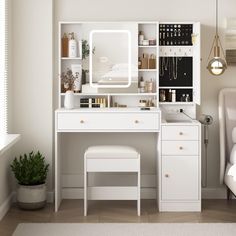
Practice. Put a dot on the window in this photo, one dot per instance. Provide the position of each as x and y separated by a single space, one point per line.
3 66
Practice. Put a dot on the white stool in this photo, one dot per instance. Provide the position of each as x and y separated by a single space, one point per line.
111 159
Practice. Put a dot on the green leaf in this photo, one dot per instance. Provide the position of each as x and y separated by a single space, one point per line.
30 169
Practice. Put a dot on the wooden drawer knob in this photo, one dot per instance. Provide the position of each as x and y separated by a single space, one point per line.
167 176
81 121
180 133
136 121
181 148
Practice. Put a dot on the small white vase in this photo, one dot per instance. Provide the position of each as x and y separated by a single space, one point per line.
69 100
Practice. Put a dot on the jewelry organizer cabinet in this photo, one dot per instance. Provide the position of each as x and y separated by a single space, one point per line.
178 144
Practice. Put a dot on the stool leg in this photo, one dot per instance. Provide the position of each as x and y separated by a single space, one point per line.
139 187
85 190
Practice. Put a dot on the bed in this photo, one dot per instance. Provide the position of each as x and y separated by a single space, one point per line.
227 122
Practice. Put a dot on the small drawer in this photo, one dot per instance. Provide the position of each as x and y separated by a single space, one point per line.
179 148
180 132
112 165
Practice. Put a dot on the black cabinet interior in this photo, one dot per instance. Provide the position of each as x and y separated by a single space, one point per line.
175 71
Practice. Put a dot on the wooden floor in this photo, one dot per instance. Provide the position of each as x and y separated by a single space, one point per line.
116 212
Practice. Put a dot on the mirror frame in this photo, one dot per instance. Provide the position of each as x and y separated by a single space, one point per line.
94 85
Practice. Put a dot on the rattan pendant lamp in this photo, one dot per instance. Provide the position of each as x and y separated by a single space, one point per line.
216 64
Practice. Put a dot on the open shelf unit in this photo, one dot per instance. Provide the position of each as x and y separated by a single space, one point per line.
152 71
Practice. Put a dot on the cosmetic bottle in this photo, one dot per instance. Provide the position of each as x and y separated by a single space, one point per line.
64 45
169 96
139 63
72 46
142 85
140 38
173 95
187 99
149 86
162 95
183 98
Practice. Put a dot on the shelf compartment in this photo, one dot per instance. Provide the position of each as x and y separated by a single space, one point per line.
147 70
148 46
179 93
71 58
176 103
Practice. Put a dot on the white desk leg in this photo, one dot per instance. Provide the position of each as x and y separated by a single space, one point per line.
139 187
85 188
58 196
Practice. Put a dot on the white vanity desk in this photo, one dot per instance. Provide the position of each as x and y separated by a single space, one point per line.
175 144
99 120
178 152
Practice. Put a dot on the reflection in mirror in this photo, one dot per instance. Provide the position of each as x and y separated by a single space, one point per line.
111 64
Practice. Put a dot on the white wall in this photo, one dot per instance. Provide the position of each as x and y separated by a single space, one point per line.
181 10
32 77
32 60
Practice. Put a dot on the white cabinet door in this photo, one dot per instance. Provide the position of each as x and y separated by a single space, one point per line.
180 178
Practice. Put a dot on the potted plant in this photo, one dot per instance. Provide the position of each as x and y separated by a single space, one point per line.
85 54
31 171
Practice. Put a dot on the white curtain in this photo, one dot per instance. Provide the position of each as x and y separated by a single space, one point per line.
3 65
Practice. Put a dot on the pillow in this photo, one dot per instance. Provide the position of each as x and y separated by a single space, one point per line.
233 155
234 135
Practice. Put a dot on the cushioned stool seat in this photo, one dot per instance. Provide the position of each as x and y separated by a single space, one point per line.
111 159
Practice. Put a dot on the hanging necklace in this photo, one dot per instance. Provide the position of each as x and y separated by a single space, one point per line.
175 67
164 65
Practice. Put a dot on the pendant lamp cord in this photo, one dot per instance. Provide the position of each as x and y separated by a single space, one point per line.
216 40
216 17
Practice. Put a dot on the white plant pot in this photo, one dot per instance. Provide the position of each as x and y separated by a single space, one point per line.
69 100
31 197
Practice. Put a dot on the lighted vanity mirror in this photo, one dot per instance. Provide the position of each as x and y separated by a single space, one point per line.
113 57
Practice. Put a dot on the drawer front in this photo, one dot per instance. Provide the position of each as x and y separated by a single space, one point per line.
108 121
180 178
181 132
107 165
179 148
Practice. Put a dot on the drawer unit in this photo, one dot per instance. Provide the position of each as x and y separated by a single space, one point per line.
180 167
108 121
180 132
179 148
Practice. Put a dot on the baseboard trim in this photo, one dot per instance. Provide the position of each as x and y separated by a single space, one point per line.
78 193
214 193
4 208
148 193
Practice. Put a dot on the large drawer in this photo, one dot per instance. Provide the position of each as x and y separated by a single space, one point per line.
180 132
103 121
179 148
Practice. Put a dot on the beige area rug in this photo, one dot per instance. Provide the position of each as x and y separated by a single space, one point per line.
120 229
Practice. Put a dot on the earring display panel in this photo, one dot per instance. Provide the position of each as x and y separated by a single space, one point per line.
175 34
175 71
